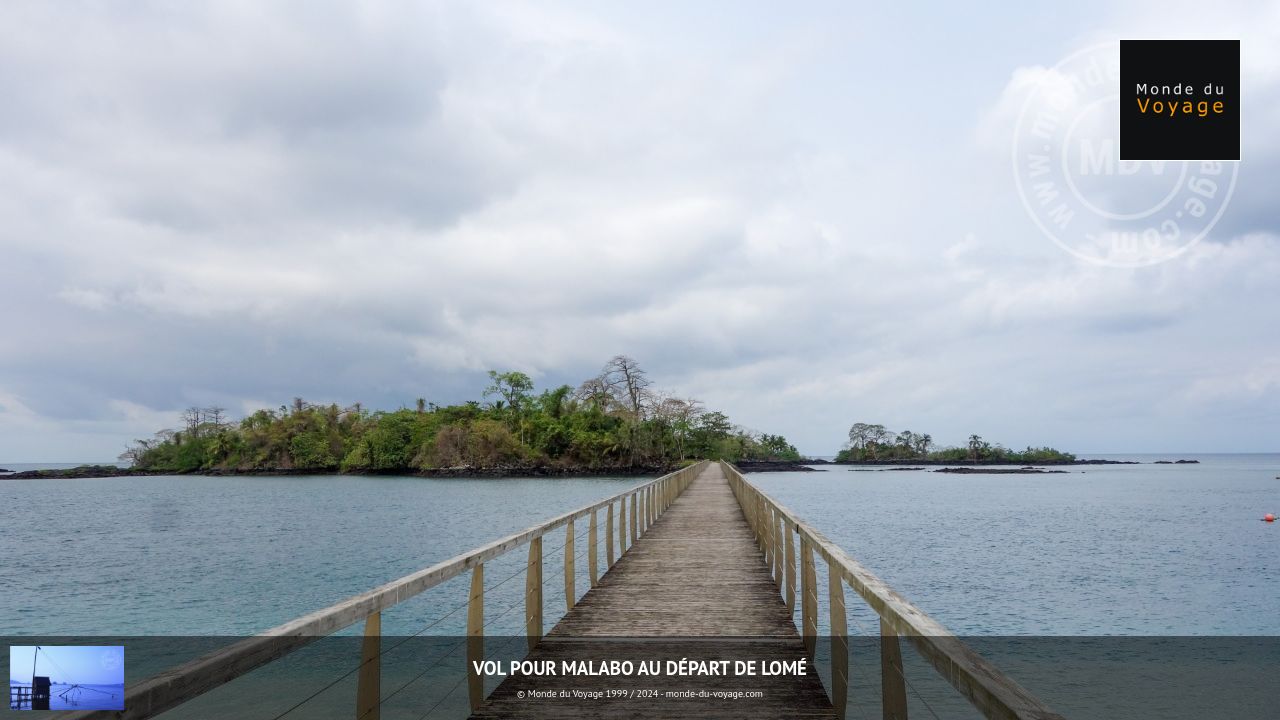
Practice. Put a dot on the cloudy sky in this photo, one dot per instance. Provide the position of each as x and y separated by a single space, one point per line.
804 217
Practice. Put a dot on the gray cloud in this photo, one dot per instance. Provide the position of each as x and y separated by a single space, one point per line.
235 204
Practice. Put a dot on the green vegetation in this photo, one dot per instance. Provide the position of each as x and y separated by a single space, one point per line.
612 421
873 443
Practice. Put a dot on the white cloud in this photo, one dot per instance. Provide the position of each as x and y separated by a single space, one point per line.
239 203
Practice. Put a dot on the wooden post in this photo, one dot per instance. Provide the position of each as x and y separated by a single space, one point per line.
808 597
764 529
475 637
369 684
643 498
753 516
591 550
839 643
776 529
635 533
622 527
570 594
608 538
893 679
791 571
533 594
766 515
759 520
648 507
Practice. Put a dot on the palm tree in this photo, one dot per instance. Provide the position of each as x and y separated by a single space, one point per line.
975 444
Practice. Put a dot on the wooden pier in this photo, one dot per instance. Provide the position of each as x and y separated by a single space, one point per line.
698 564
696 576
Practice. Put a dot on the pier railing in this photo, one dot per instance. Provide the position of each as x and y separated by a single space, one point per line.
637 509
19 696
777 530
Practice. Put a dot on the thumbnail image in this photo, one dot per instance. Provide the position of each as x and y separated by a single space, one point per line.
66 677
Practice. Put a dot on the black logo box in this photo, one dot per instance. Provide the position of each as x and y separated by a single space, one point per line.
1186 69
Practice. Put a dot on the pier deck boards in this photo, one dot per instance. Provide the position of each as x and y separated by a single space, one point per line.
693 586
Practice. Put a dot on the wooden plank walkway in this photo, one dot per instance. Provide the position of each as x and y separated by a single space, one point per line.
694 586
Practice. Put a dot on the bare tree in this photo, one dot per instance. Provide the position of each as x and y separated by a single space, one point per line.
594 391
215 416
191 418
134 453
629 380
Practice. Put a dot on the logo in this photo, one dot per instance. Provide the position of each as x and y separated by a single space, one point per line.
1180 99
1075 185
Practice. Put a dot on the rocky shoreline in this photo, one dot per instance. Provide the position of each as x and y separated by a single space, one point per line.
746 466
949 466
108 471
75 473
750 466
991 462
999 471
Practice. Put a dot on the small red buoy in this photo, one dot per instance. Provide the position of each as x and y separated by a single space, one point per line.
1269 517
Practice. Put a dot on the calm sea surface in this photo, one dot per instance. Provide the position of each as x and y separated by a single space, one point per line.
196 555
1123 549
1101 550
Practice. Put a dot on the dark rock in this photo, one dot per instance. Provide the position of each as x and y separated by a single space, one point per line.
1186 462
83 471
998 471
750 466
926 461
1106 462
100 471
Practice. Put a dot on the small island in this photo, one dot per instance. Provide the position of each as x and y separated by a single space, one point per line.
874 444
613 424
616 423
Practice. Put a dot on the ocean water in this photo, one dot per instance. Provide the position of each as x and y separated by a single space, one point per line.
66 696
1153 550
1109 591
1101 550
201 556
